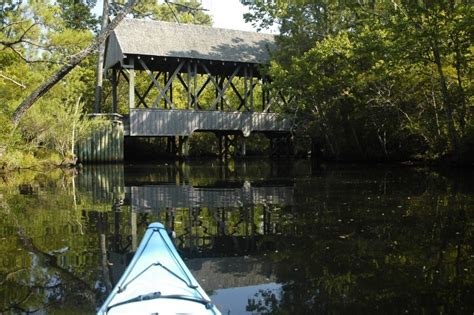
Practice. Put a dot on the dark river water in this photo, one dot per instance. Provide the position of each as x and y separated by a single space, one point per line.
261 237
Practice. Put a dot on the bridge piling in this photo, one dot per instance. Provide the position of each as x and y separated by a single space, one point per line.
104 144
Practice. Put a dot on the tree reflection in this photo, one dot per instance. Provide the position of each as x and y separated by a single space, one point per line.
385 240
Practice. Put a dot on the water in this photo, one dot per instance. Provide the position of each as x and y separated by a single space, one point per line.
260 236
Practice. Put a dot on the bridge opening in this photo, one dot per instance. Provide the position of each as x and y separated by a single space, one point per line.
208 145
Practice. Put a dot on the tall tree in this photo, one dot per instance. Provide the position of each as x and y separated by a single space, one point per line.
72 63
100 61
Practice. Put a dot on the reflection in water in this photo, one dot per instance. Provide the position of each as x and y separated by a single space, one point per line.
260 237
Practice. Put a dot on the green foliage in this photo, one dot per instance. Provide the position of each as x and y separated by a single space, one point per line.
182 11
35 40
57 126
77 14
376 80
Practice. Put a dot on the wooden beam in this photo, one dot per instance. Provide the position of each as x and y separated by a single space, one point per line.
150 86
156 83
168 85
222 90
164 82
203 86
218 86
221 87
251 89
142 100
131 85
187 88
245 87
237 93
196 95
188 83
249 95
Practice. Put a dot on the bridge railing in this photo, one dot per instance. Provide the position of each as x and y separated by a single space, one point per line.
157 122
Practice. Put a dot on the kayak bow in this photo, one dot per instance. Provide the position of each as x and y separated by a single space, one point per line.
157 282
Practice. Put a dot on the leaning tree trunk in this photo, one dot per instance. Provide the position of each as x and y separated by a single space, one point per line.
100 62
73 62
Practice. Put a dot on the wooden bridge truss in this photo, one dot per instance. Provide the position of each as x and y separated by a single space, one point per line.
194 76
154 103
186 74
186 78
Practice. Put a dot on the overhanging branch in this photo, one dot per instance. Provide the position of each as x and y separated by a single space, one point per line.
73 62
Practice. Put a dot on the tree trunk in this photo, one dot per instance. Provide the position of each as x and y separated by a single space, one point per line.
73 62
447 101
461 96
100 62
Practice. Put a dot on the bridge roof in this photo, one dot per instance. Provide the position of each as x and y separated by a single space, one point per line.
165 39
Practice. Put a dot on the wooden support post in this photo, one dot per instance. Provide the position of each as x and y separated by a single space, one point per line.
114 90
252 221
188 83
168 145
246 87
165 79
133 222
131 85
243 146
195 90
103 250
221 88
116 211
251 89
171 88
217 90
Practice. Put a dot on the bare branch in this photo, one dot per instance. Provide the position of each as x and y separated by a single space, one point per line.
13 81
172 11
19 54
19 40
11 24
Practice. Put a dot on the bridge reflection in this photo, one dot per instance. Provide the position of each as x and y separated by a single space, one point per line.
156 197
216 212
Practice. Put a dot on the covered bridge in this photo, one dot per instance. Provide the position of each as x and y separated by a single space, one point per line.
183 78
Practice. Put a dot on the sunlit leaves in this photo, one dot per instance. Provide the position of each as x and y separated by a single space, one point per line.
388 79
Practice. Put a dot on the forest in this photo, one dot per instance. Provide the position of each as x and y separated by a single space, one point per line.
366 80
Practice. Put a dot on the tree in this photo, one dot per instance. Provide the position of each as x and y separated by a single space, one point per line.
78 14
374 79
100 61
72 63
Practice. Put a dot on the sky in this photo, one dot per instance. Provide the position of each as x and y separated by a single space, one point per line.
225 14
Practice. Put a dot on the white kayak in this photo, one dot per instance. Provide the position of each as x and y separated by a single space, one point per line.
157 282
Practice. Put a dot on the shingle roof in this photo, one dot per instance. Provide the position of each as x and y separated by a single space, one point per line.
165 39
